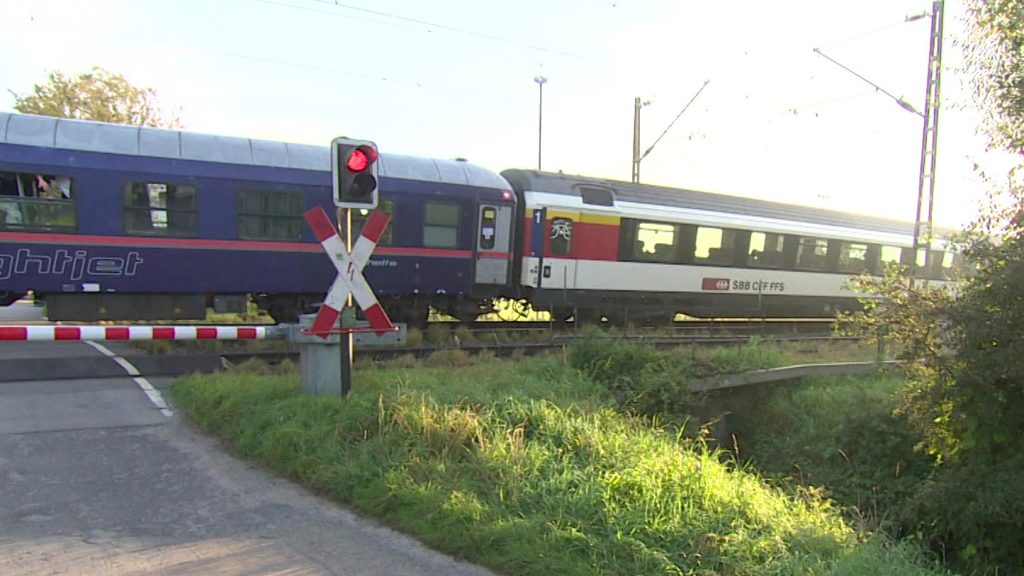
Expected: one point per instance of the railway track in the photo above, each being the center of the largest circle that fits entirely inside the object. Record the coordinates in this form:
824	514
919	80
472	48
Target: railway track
502	340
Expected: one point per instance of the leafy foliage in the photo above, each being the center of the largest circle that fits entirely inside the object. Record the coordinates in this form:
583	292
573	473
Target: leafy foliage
97	95
965	389
864	457
995	53
651	382
638	376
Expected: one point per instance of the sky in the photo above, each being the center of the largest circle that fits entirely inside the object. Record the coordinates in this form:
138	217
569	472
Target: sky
456	79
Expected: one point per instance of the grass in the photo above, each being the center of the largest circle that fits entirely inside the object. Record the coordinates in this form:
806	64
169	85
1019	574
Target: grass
528	467
864	458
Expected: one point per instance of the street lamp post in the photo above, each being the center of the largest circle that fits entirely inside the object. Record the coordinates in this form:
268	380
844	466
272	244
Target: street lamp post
540	80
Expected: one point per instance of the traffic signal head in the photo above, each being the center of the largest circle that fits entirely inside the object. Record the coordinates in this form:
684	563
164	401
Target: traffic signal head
354	166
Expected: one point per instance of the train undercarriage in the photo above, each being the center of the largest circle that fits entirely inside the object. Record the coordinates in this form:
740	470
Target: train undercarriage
649	309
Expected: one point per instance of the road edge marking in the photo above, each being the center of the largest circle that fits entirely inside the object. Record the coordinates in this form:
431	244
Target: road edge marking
152	393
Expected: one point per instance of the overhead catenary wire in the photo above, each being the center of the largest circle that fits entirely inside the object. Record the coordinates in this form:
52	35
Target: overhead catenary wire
899	100
665	131
474	33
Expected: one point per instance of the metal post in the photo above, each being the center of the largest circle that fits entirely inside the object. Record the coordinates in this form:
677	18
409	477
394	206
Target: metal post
348	320
636	140
929	145
319	363
540	80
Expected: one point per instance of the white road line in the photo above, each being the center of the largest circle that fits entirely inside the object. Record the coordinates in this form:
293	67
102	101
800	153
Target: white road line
103	349
128	367
152	393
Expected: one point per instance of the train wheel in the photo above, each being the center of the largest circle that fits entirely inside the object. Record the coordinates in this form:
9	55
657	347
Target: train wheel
284	312
286	308
588	316
8	298
411	315
658	319
561	314
615	317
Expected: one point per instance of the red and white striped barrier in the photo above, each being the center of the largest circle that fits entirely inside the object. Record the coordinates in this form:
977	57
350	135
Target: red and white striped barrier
100	333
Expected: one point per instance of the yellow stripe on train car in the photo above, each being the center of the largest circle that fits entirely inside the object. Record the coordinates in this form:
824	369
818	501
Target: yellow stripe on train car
585	217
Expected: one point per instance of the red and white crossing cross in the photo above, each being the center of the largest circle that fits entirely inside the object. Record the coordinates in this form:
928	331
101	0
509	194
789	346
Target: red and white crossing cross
350	272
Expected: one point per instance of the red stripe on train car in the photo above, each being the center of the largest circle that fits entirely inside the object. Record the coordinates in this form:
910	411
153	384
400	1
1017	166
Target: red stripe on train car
120	241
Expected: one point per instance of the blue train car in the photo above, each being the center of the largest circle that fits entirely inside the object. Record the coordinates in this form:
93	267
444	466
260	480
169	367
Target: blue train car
111	222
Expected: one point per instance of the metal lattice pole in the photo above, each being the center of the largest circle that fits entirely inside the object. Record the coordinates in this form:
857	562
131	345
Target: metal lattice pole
929	145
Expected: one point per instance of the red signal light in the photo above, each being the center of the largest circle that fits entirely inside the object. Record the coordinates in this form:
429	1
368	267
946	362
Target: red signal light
354	171
361	158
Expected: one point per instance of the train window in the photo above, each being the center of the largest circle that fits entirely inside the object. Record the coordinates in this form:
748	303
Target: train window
488	227
655	242
715	245
953	264
811	254
359	218
36	201
560	239
441	225
920	260
270	215
766	250
853	257
890	255
939	267
159	208
596	196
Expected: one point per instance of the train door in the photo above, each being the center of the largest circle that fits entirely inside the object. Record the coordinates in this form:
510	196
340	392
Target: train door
558	269
493	243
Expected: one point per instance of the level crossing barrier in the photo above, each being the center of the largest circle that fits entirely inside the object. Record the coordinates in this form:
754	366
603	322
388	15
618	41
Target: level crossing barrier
136	333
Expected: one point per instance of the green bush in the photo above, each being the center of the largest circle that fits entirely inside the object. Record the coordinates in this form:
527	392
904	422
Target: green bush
641	378
838	433
973	515
414	337
448	358
438	334
752	355
648	381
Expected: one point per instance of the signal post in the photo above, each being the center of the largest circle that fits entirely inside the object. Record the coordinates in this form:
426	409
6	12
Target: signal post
355	181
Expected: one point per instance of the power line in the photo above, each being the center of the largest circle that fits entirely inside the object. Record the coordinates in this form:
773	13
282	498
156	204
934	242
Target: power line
899	100
279	62
481	35
871	32
285	63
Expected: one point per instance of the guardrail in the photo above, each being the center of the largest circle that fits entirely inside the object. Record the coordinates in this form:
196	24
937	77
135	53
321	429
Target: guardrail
786	373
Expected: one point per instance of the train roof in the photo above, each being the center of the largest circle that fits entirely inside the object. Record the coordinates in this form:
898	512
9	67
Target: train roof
63	133
575	186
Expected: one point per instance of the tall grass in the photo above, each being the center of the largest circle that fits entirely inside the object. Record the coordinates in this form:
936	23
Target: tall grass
839	434
528	467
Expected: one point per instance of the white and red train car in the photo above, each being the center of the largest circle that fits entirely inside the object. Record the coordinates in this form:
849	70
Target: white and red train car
601	248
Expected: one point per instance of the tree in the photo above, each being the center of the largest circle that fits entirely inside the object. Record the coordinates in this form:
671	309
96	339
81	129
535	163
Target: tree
995	54
965	355
96	95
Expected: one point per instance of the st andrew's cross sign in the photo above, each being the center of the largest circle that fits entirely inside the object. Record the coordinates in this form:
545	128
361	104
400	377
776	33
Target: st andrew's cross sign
350	278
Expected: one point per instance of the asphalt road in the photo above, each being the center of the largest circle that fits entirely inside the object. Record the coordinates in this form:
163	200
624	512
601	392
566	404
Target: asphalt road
22	312
96	478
